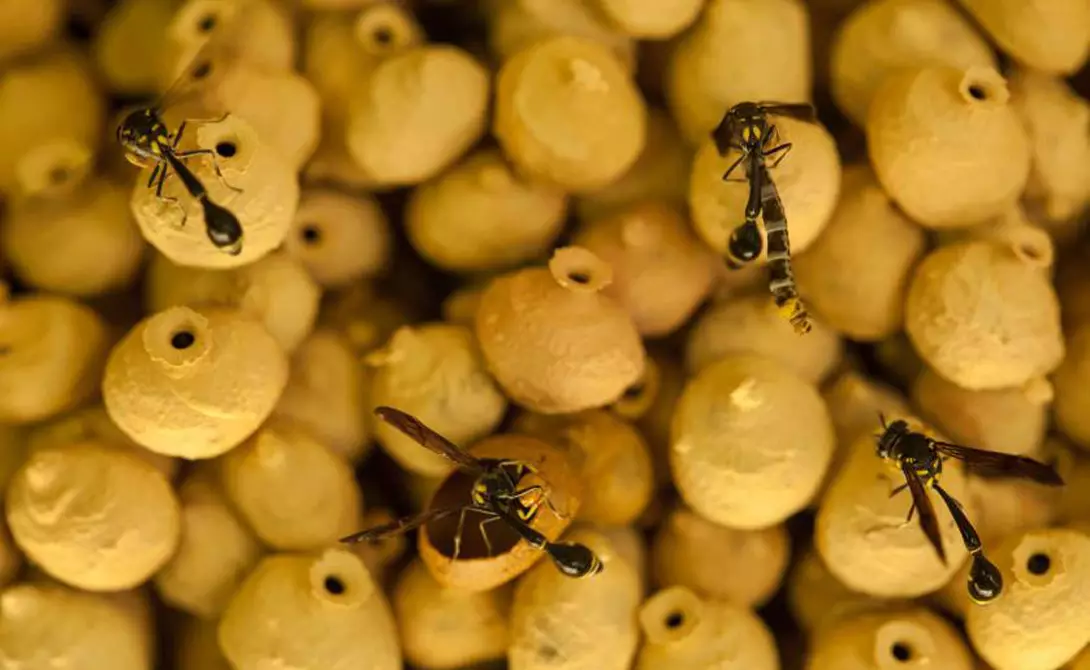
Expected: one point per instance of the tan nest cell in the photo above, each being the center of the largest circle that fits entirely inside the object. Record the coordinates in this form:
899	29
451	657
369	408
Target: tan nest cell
906	637
1056	119
276	290
327	394
1011	420
878	38
258	186
480	216
740	566
553	342
861	532
567	112
339	616
984	315
713	65
684	631
661	173
610	455
256	32
339	237
84	245
514	25
436	373
808	183
26	27
45	625
216	552
751	324
128	45
446	628
324	503
51	355
48	101
193	383
947	145
475	569
586	624
416	113
93	516
661	271
1051	35
1042	618
856	274
751	441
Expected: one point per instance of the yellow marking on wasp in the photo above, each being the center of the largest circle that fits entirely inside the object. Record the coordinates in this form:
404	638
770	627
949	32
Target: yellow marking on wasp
793	312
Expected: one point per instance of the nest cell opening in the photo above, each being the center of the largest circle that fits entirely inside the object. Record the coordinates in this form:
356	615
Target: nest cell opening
901	651
201	70
311	234
674	620
579	277
183	339
334	585
1039	564
382	35
226	148
206	23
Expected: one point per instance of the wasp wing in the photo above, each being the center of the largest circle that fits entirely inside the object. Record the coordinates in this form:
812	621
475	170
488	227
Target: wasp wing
398	527
802	111
996	464
428	438
923	505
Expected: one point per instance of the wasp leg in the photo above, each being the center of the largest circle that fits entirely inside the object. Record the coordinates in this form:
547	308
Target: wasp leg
484	534
897	490
215	164
458	534
783	150
167	198
177	137
154	174
733	167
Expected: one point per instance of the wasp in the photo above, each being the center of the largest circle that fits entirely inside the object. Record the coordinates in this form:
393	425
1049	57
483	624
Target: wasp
747	129
920	460
148	142
495	496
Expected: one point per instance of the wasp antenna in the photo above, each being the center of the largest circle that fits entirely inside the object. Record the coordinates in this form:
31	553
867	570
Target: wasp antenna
882	419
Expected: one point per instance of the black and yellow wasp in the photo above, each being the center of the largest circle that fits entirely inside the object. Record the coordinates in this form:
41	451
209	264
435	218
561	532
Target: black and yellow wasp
149	143
746	128
920	460
495	496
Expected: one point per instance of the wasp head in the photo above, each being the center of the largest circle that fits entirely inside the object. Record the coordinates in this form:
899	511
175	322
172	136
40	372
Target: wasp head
138	133
890	436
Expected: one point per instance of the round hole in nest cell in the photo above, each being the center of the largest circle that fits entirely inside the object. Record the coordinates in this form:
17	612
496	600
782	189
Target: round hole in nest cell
58	175
206	23
1039	564
226	149
901	651
311	234
202	70
183	339
383	35
634	391
978	92
674	619
334	585
579	277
